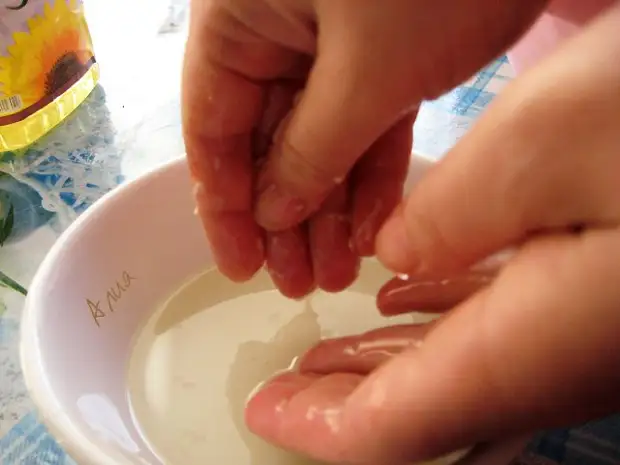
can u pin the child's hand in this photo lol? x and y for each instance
(536, 347)
(265, 162)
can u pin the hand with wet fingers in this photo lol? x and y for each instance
(298, 130)
(527, 346)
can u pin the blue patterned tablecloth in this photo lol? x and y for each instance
(130, 123)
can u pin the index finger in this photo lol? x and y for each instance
(220, 111)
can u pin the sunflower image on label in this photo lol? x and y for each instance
(47, 67)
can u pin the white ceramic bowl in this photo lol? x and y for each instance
(99, 284)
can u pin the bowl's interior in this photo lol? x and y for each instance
(94, 291)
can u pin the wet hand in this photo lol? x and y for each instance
(535, 345)
(297, 120)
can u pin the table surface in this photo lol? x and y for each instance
(130, 123)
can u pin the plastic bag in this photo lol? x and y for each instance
(47, 67)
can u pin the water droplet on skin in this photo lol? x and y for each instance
(366, 229)
(494, 262)
(330, 416)
(256, 389)
(332, 419)
(351, 245)
(197, 192)
(198, 187)
(275, 274)
(386, 347)
(476, 279)
(280, 406)
(295, 361)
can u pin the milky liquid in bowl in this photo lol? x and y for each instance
(207, 348)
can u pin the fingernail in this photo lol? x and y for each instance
(277, 209)
(394, 248)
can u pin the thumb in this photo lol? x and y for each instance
(345, 107)
(536, 161)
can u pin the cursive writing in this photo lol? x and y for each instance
(101, 308)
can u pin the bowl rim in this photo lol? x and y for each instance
(74, 442)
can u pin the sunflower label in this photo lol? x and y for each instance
(47, 67)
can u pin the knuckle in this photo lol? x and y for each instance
(310, 173)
